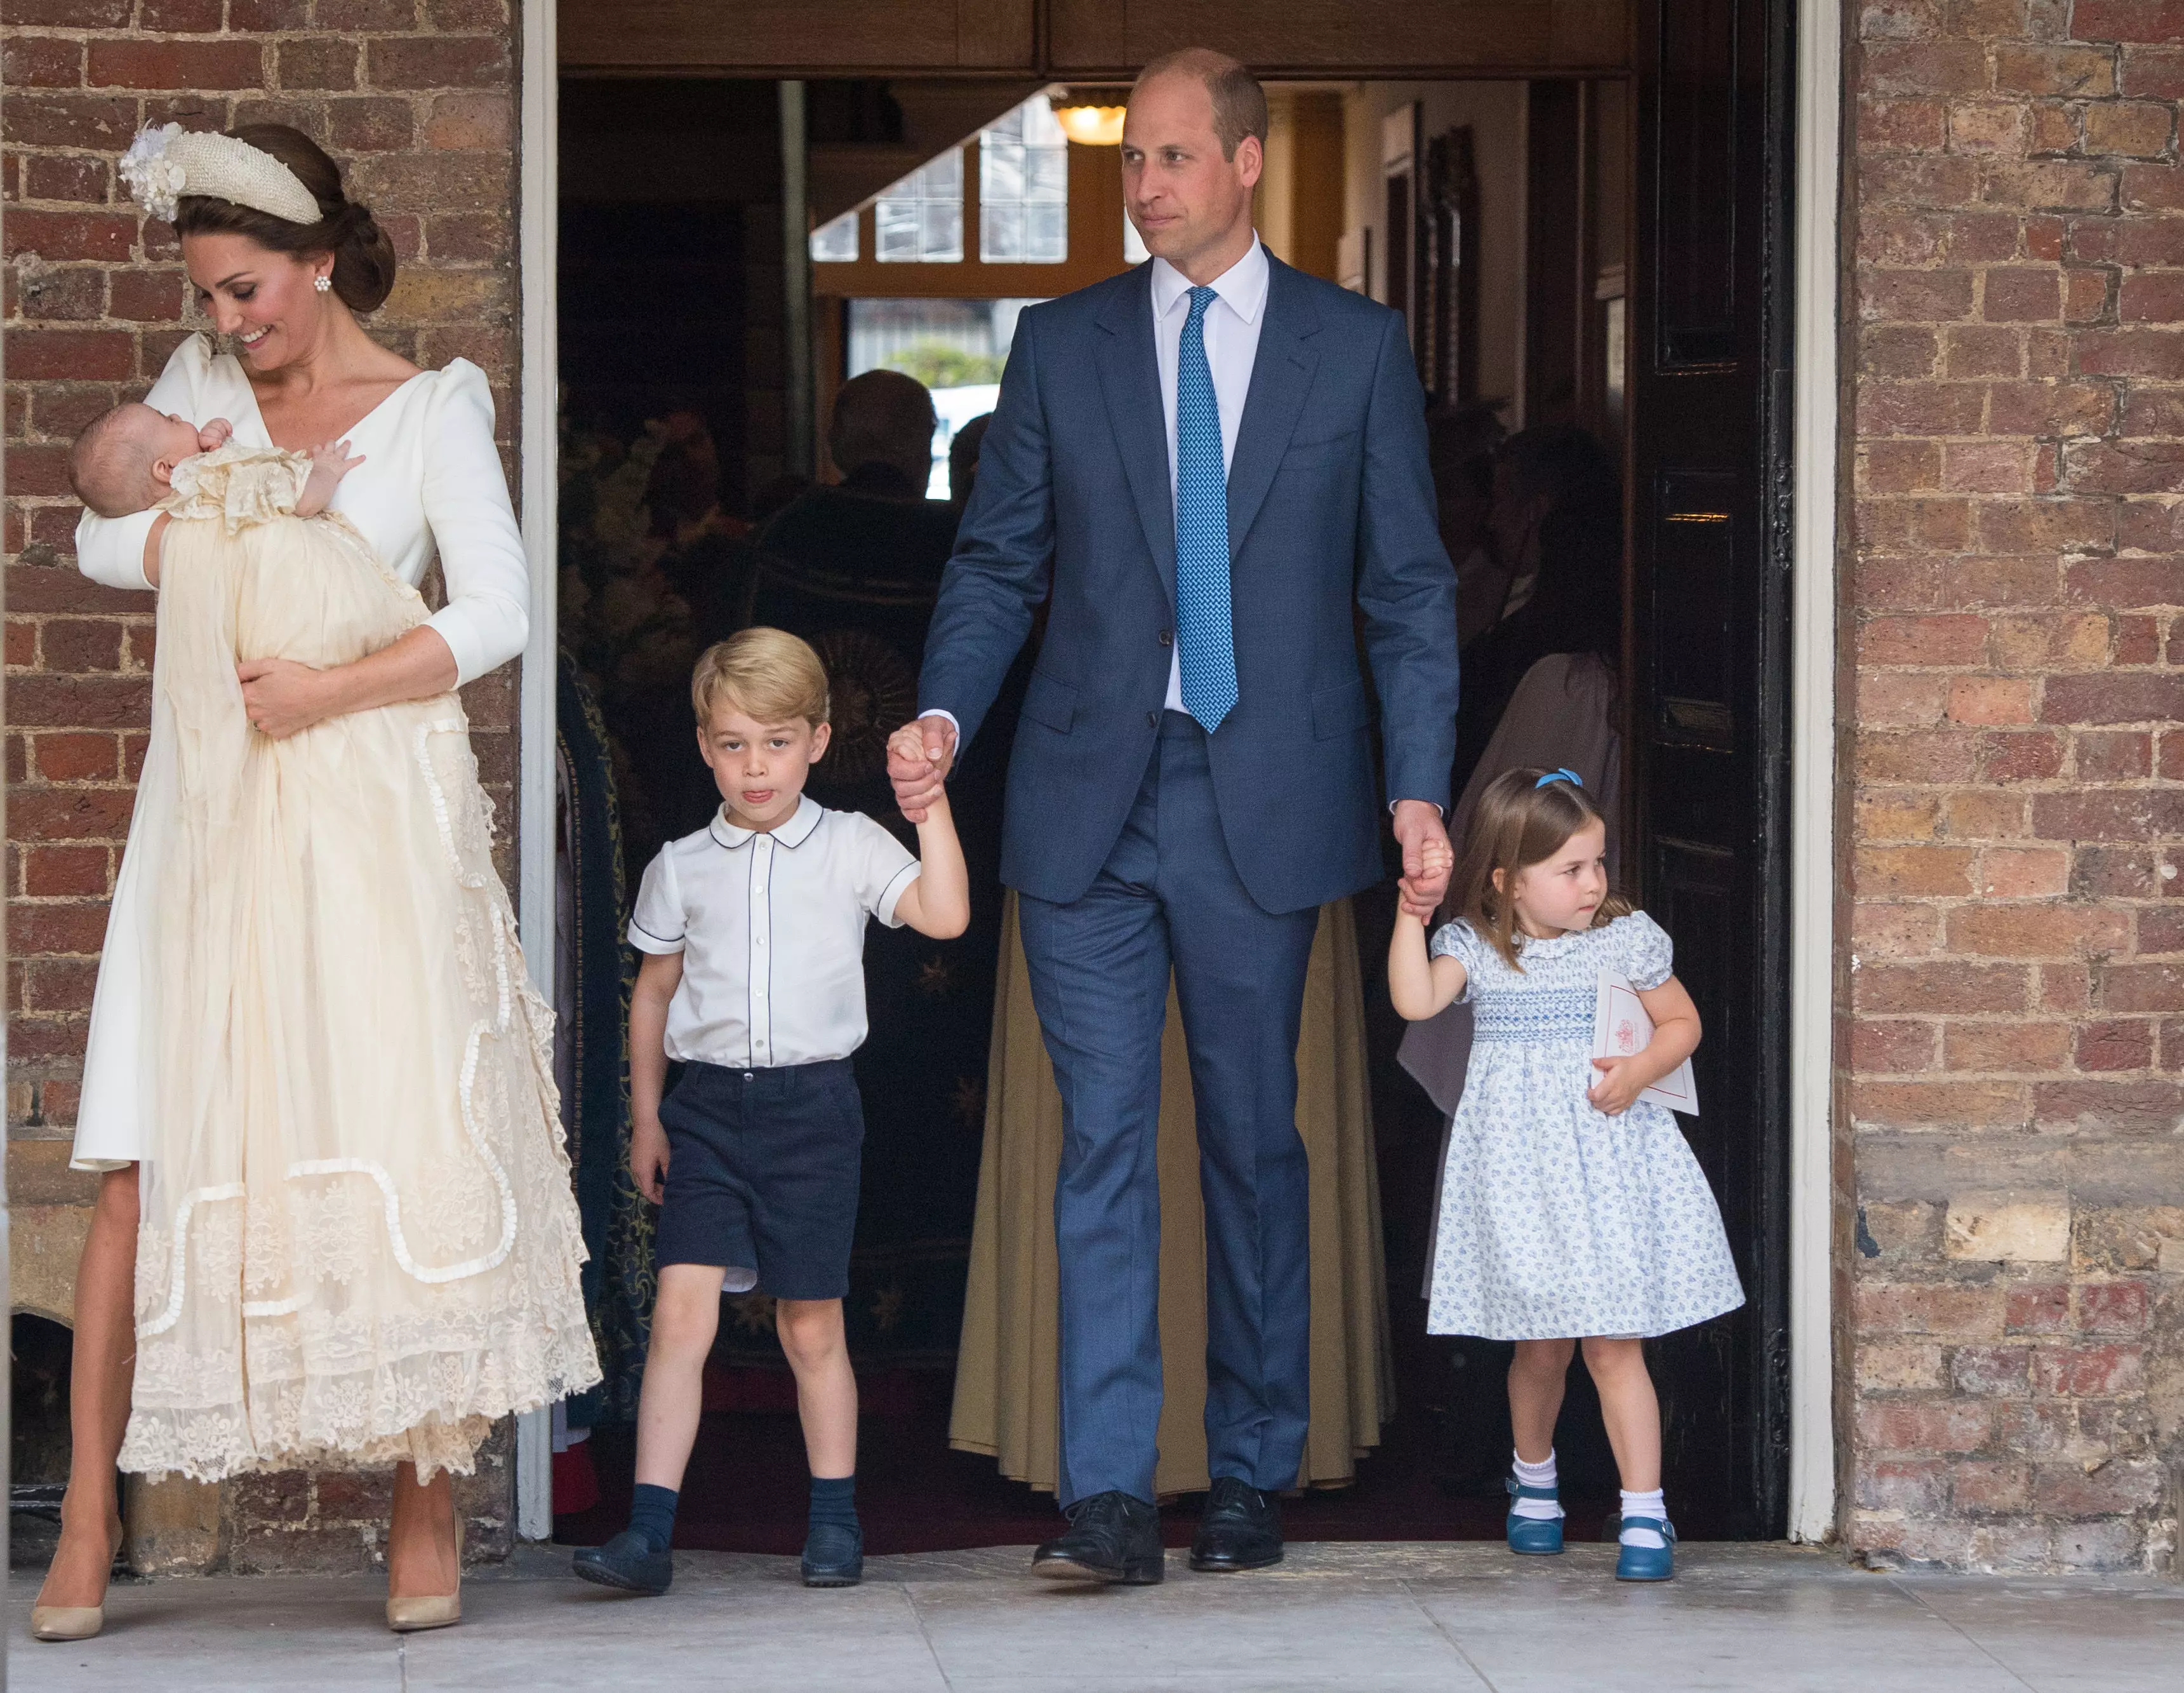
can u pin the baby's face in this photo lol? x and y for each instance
(163, 438)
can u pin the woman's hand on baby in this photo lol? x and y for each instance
(215, 434)
(282, 697)
(1619, 1086)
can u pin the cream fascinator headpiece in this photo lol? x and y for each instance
(165, 162)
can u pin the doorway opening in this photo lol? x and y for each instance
(1529, 231)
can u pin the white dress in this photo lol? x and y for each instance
(431, 482)
(1557, 1221)
(358, 1241)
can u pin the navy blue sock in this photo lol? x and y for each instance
(652, 1514)
(835, 1502)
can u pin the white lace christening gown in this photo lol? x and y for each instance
(1557, 1221)
(358, 1243)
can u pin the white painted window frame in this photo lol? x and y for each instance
(1813, 658)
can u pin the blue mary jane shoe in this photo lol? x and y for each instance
(1645, 1563)
(1538, 1536)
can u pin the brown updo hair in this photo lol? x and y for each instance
(364, 258)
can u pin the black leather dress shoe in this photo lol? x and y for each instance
(1113, 1537)
(1241, 1529)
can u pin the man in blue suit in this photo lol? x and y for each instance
(1206, 467)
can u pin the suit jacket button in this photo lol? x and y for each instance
(1152, 719)
(1167, 637)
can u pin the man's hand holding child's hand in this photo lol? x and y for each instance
(1421, 894)
(918, 754)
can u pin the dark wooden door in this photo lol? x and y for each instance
(1710, 309)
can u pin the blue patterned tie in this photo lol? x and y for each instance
(1205, 635)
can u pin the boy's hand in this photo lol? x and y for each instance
(919, 754)
(1619, 1086)
(215, 434)
(648, 1159)
(330, 463)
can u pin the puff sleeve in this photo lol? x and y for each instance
(487, 618)
(110, 551)
(1648, 955)
(1457, 940)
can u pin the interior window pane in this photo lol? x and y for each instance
(836, 243)
(921, 218)
(1023, 188)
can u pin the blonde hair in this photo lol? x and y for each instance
(769, 674)
(1519, 823)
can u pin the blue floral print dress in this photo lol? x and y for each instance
(1556, 1221)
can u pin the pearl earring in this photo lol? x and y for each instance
(322, 284)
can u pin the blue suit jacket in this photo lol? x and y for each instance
(1330, 505)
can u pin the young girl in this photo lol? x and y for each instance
(1570, 1208)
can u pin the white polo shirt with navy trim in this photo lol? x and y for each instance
(770, 925)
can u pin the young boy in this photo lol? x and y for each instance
(753, 930)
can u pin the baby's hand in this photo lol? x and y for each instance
(215, 434)
(330, 463)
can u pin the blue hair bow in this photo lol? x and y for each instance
(1564, 774)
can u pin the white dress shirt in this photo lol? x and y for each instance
(1231, 348)
(770, 925)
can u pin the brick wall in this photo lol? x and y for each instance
(418, 98)
(2016, 998)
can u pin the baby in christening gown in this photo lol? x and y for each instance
(358, 1242)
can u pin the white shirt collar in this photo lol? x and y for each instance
(794, 832)
(1243, 285)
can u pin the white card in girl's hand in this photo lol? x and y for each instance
(1621, 1027)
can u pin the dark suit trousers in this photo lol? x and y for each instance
(1169, 894)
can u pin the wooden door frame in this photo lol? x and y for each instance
(1815, 455)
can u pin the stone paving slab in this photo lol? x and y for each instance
(1460, 1618)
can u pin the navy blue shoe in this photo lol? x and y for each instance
(627, 1563)
(1644, 1563)
(833, 1556)
(1537, 1536)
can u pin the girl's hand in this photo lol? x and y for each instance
(1622, 1080)
(648, 1159)
(282, 697)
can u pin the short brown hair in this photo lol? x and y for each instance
(1521, 821)
(1240, 104)
(768, 674)
(364, 257)
(107, 466)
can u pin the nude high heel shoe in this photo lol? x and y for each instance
(434, 1611)
(74, 1622)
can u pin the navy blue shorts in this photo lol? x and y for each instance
(763, 1174)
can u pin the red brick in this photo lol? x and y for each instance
(1915, 296)
(368, 15)
(74, 646)
(2075, 1491)
(1925, 1426)
(180, 17)
(2136, 697)
(373, 126)
(1919, 409)
(1891, 1047)
(2113, 756)
(1943, 985)
(1918, 1485)
(70, 15)
(68, 120)
(2126, 581)
(2152, 297)
(2150, 188)
(62, 235)
(60, 985)
(2136, 20)
(65, 872)
(437, 61)
(1988, 1488)
(2005, 1046)
(268, 16)
(2107, 815)
(2114, 1045)
(1936, 641)
(2041, 1309)
(2008, 930)
(2153, 72)
(147, 296)
(79, 701)
(318, 62)
(1901, 125)
(2088, 1371)
(41, 62)
(2112, 1307)
(2079, 70)
(68, 355)
(176, 64)
(2020, 296)
(2148, 1107)
(74, 928)
(1992, 1371)
(67, 758)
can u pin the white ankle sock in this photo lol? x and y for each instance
(1536, 1475)
(1652, 1505)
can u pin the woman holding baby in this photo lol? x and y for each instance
(333, 1226)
